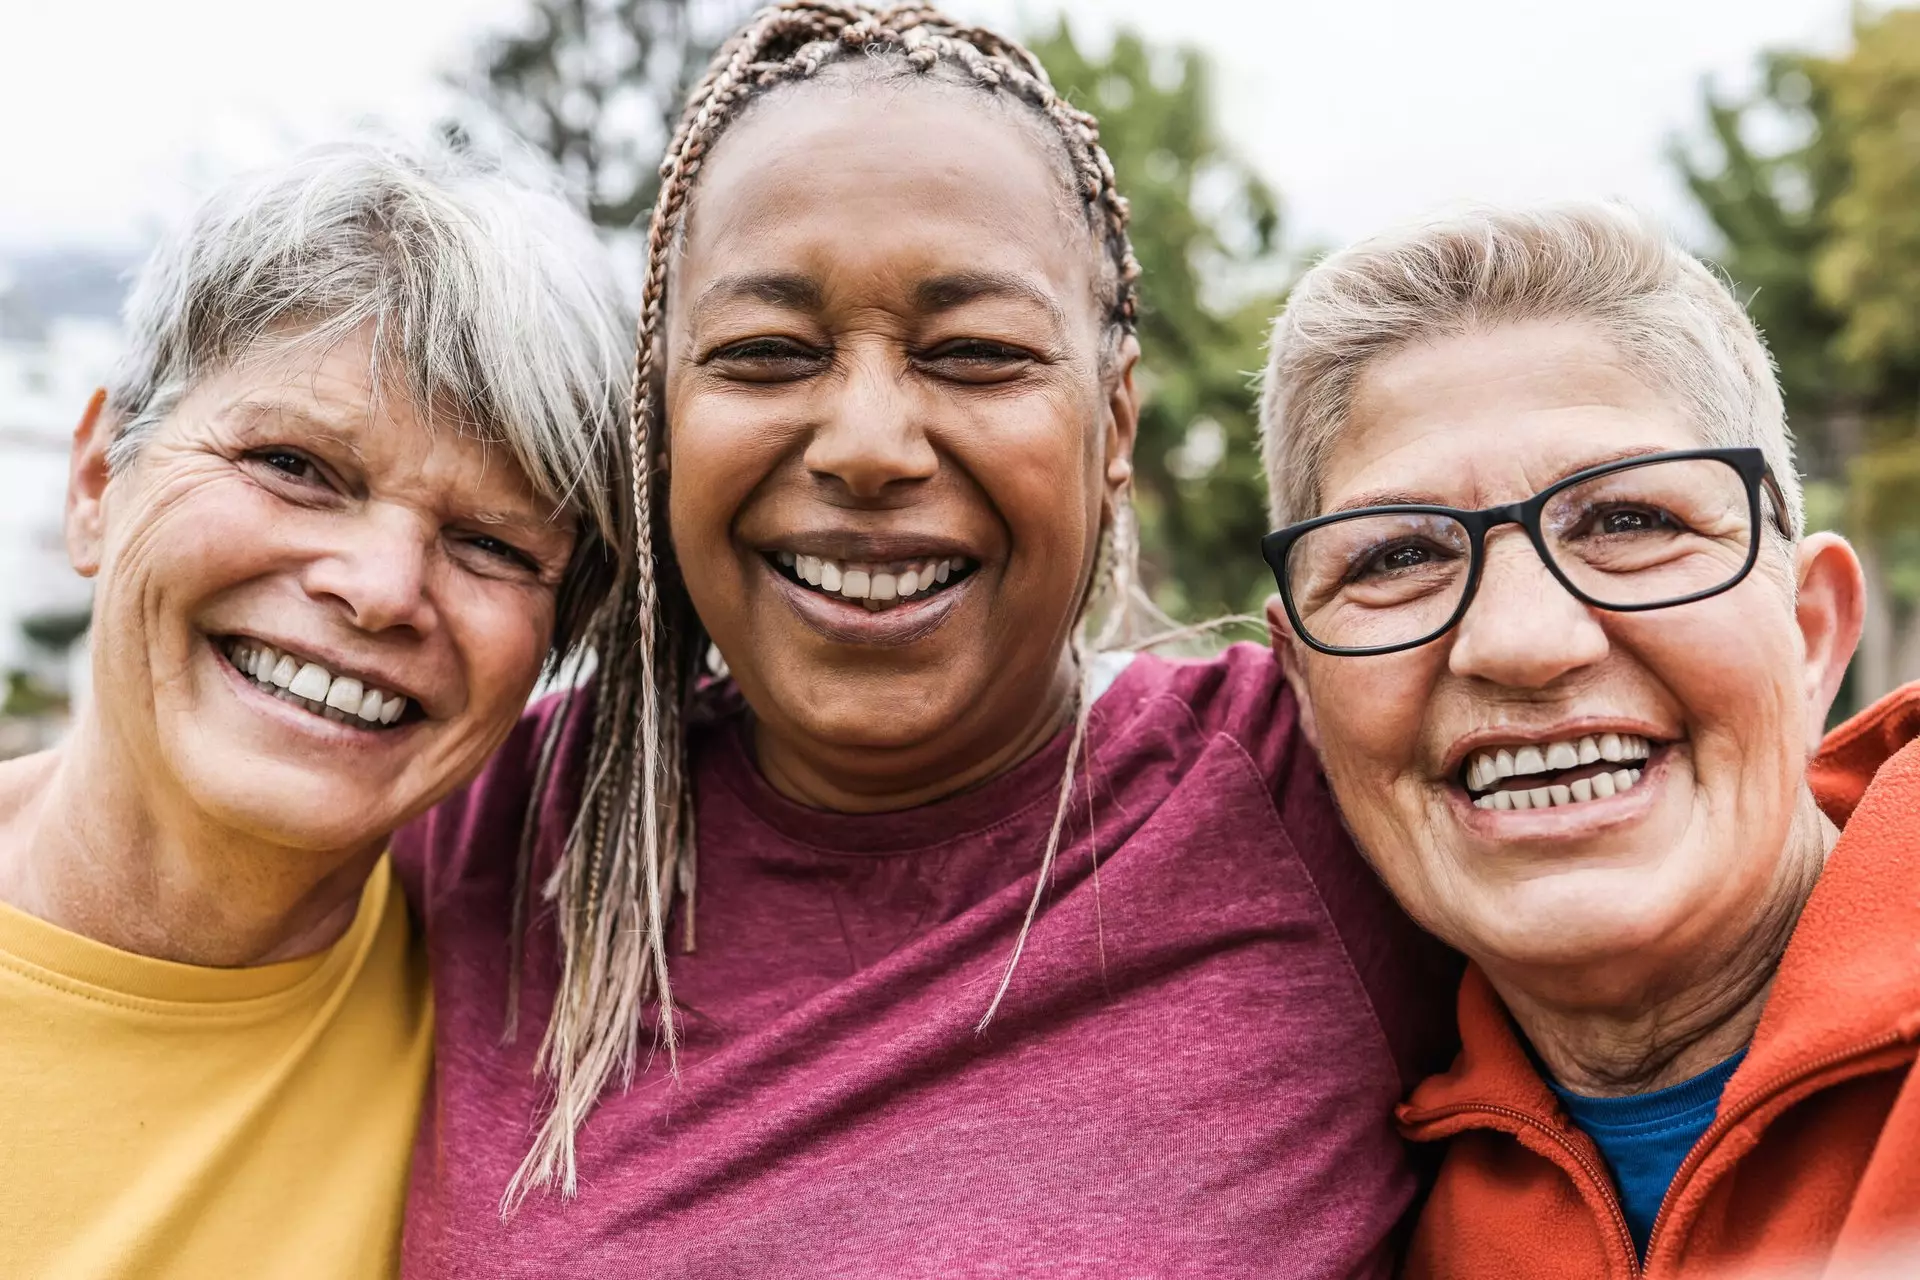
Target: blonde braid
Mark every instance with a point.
(631, 848)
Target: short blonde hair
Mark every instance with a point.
(1669, 313)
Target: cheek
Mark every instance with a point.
(502, 633)
(1035, 459)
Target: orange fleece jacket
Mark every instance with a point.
(1815, 1153)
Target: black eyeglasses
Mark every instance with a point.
(1643, 533)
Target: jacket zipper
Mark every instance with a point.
(1725, 1122)
(1601, 1179)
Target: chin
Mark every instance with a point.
(1586, 918)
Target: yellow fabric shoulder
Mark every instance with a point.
(167, 1121)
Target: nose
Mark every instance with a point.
(375, 570)
(872, 438)
(1523, 630)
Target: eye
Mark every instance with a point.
(978, 360)
(767, 359)
(286, 464)
(1396, 558)
(503, 552)
(1628, 521)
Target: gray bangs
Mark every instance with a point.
(493, 306)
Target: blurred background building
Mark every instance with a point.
(1779, 137)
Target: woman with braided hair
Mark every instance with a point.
(1008, 955)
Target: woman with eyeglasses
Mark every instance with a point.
(1566, 651)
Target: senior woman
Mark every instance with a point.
(885, 428)
(339, 506)
(1566, 652)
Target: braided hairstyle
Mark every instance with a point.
(631, 849)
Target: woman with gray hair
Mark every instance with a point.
(1566, 651)
(347, 495)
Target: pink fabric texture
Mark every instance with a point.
(1193, 1074)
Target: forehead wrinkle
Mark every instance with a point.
(1416, 497)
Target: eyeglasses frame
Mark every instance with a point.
(1750, 463)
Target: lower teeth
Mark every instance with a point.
(1555, 795)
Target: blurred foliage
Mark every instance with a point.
(1207, 232)
(597, 85)
(23, 696)
(1820, 233)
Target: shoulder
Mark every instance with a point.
(1238, 694)
(477, 830)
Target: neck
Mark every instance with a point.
(888, 779)
(1681, 1015)
(85, 847)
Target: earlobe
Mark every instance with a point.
(1286, 651)
(1123, 415)
(1830, 607)
(87, 477)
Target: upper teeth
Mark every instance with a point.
(1485, 768)
(313, 683)
(864, 582)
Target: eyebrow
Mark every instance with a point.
(331, 428)
(790, 291)
(1415, 498)
(945, 293)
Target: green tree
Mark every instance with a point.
(1207, 232)
(597, 85)
(1819, 231)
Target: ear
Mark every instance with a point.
(1287, 651)
(1831, 609)
(1123, 416)
(87, 476)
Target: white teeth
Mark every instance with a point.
(346, 695)
(311, 683)
(311, 686)
(875, 586)
(1485, 769)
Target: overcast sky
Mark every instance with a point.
(113, 113)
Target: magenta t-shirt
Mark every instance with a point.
(1192, 1075)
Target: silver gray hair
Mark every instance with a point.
(492, 304)
(1667, 312)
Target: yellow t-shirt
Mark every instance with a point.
(169, 1122)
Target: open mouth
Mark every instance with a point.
(304, 683)
(1552, 774)
(878, 587)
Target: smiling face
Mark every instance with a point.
(1664, 803)
(316, 613)
(892, 439)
